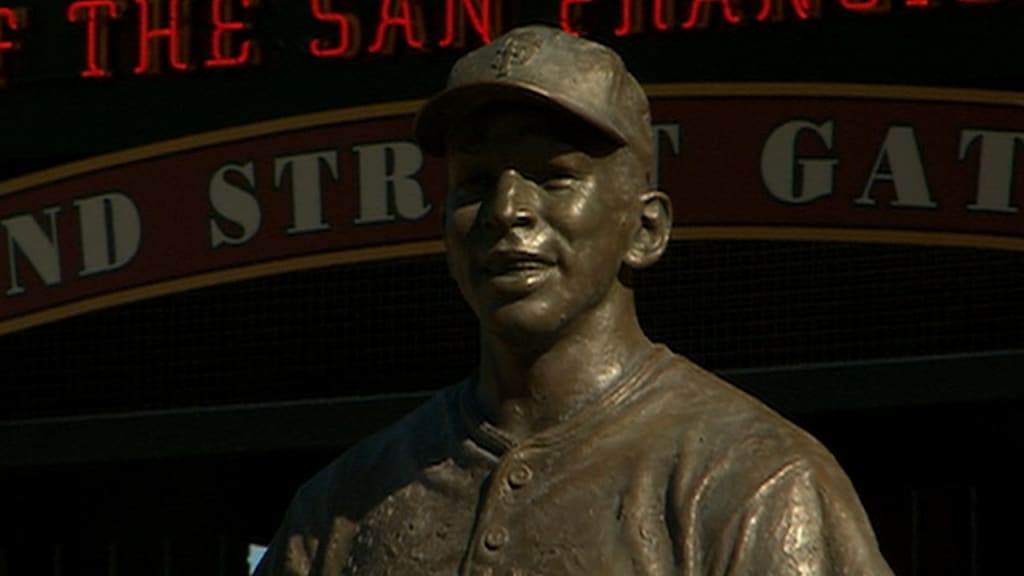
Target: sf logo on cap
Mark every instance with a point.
(515, 51)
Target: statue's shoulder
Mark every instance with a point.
(322, 518)
(730, 433)
(750, 475)
(388, 459)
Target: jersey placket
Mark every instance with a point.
(523, 473)
(509, 489)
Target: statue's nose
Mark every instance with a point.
(514, 202)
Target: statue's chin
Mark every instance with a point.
(523, 322)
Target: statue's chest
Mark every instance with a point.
(530, 514)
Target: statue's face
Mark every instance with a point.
(537, 223)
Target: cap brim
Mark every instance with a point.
(440, 113)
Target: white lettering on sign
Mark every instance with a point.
(234, 203)
(329, 184)
(111, 232)
(899, 162)
(39, 247)
(780, 163)
(306, 187)
(995, 168)
(387, 189)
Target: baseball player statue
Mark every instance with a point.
(578, 446)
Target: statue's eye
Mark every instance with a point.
(559, 181)
(563, 172)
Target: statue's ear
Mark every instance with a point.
(651, 238)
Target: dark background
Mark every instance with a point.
(163, 436)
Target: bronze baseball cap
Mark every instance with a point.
(547, 67)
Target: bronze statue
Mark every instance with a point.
(579, 446)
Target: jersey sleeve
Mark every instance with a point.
(313, 539)
(803, 520)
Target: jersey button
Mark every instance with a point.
(495, 538)
(519, 476)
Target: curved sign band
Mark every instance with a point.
(741, 161)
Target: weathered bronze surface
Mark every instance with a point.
(579, 446)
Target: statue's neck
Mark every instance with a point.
(525, 388)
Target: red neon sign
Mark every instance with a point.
(150, 33)
(220, 37)
(865, 5)
(322, 11)
(157, 32)
(392, 17)
(566, 14)
(804, 9)
(480, 17)
(626, 22)
(660, 19)
(96, 14)
(9, 19)
(700, 13)
(632, 13)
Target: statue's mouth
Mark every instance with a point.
(502, 262)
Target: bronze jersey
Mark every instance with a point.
(671, 471)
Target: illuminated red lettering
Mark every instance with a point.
(700, 13)
(804, 9)
(661, 20)
(566, 15)
(865, 5)
(96, 31)
(633, 14)
(626, 25)
(150, 33)
(318, 47)
(390, 17)
(220, 37)
(479, 15)
(8, 19)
